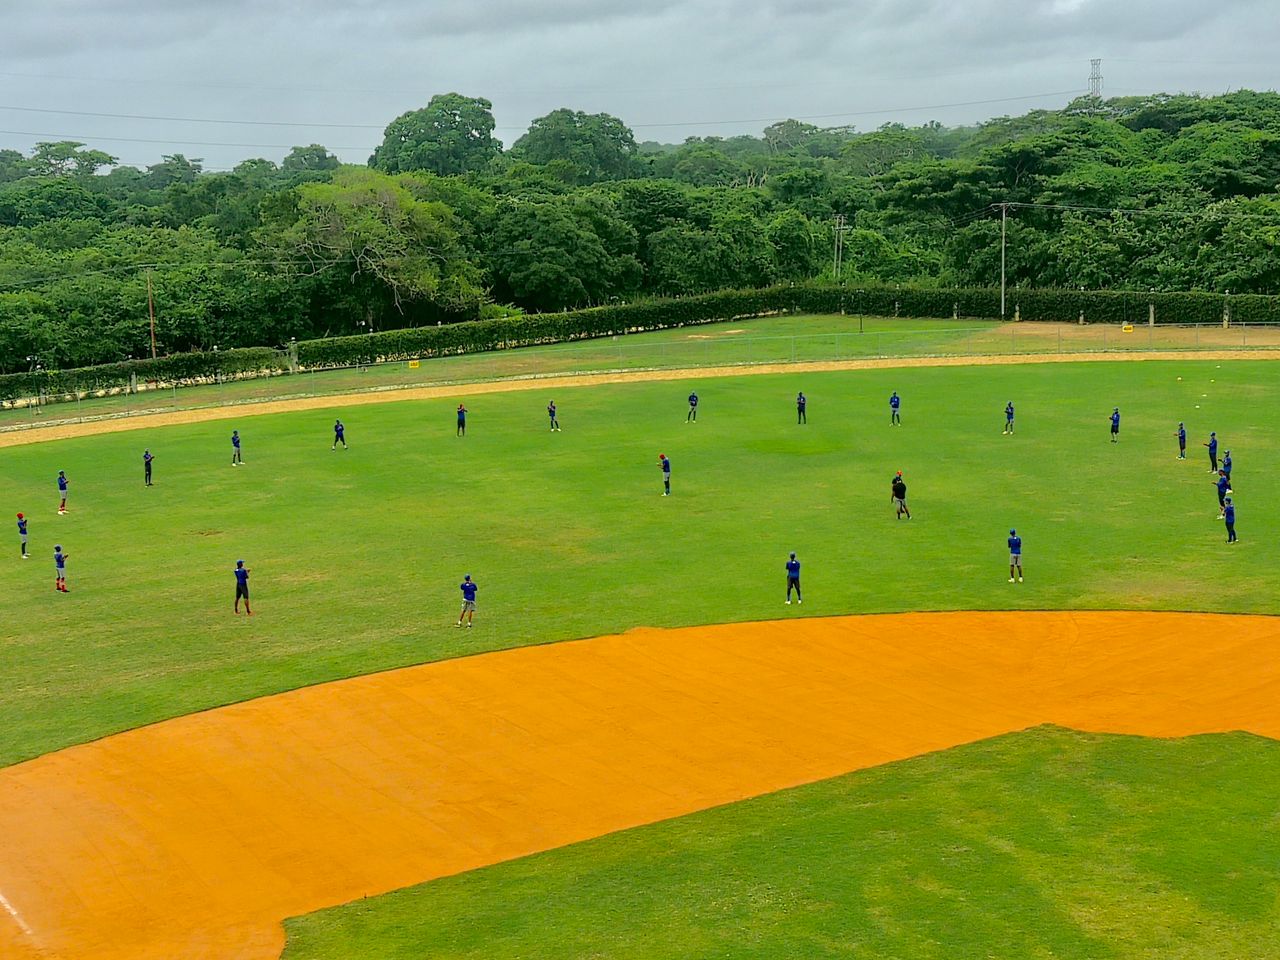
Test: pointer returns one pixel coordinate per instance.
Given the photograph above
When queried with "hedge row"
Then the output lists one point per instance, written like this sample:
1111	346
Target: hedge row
183	369
1097	306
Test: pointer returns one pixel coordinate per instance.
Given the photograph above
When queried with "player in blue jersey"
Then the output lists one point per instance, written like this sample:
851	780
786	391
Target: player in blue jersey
339	435
1229	515
1182	441
242	587
895	404
551	413
462	421
1223	486
692	415
60	569
146	467
469	588
1115	425
1212	446
1008	417
63	483
1226	465
22	535
665	464
236	459
1015	556
793	579
801	403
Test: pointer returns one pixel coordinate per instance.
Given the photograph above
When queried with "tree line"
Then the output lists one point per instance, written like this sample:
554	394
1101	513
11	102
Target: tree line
445	224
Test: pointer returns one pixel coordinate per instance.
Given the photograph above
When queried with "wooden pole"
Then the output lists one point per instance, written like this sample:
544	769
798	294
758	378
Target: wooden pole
151	307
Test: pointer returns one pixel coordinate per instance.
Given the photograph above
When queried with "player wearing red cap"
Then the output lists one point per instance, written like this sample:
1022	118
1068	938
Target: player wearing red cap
22	535
665	464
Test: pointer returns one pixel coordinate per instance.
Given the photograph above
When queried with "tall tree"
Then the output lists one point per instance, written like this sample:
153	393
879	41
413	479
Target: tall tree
452	134
589	147
313	157
64	158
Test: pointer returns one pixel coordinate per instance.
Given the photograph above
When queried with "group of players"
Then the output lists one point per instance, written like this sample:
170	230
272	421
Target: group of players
898	496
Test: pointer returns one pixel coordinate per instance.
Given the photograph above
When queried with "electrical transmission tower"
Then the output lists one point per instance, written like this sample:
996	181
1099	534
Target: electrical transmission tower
838	247
1095	80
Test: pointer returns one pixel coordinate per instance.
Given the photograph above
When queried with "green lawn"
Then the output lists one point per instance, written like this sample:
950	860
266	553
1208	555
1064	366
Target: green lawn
758	340
356	555
1043	844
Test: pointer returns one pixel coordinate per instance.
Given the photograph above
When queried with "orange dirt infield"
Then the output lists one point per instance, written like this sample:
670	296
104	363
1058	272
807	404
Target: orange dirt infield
195	837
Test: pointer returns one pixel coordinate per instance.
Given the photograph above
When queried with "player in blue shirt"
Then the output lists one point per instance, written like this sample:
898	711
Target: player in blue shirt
895	402
1115	425
242	587
462	421
469	588
1229	515
1224	487
692	415
1226	465
60	569
551	412
236	459
1213	451
1008	417
801	403
63	483
1015	556
665	464
339	435
22	535
1182	441
793	579
146	467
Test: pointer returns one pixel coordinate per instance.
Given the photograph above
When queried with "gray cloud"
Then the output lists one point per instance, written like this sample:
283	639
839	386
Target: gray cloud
671	69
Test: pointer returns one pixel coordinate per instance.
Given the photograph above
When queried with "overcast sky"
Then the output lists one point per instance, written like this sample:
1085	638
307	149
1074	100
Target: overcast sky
669	68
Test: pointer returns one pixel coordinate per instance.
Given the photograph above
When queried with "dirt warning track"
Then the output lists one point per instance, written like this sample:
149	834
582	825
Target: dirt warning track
196	837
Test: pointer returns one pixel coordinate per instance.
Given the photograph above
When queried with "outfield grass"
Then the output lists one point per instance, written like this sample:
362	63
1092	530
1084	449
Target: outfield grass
1042	844
357	555
751	341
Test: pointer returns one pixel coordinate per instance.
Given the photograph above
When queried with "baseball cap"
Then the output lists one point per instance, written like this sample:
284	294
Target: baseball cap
19	516
57	546
1013	533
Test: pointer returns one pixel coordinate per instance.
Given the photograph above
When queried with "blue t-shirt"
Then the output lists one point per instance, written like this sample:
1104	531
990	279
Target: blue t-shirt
1229	514
462	414
242	576
1015	546
1115	419
1213	444
59	559
693	399
551	410
666	465
235	440
22	528
1223	484
338	428
1182	437
1226	465
62	482
894	401
468	589
793	569
147	457
1008	412
801	401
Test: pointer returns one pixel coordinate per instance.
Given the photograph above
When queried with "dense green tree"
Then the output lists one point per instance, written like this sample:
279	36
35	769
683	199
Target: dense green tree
313	157
585	147
67	158
452	134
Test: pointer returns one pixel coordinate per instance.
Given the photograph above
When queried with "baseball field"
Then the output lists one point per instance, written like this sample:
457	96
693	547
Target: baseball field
1079	765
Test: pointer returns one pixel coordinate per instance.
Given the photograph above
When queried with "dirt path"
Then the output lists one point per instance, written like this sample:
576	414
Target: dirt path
13	438
195	837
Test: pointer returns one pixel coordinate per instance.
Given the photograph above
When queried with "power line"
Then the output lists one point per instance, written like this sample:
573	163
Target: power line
245	123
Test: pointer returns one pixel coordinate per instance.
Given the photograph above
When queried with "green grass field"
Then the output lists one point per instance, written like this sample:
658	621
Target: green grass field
1042	844
357	555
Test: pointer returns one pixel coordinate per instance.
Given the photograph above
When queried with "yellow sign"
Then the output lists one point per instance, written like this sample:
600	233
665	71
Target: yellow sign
415	364
1127	328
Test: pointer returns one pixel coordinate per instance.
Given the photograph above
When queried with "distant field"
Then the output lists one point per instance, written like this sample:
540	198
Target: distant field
1046	843
356	555
754	341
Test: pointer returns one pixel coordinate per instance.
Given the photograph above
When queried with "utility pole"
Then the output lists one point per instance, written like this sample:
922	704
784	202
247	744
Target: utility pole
838	245
151	308
1004	220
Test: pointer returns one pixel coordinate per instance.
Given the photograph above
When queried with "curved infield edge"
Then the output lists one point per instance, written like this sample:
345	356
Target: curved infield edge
198	836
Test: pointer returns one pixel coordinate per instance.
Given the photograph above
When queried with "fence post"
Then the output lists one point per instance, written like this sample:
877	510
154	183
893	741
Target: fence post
293	354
